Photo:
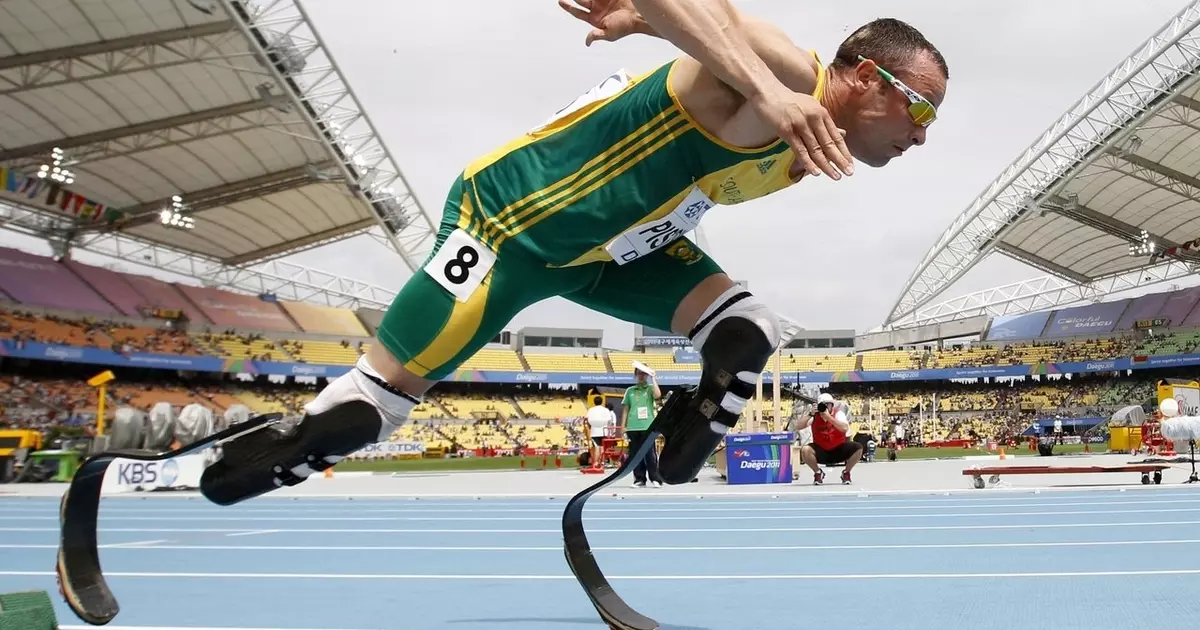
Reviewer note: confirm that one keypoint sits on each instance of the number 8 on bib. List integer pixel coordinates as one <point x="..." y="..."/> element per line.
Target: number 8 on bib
<point x="461" y="265"/>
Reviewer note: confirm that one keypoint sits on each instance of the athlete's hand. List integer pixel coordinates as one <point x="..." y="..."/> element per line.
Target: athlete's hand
<point x="805" y="124"/>
<point x="610" y="19"/>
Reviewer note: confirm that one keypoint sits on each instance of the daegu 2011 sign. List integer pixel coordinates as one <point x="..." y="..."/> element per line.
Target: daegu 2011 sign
<point x="387" y="450"/>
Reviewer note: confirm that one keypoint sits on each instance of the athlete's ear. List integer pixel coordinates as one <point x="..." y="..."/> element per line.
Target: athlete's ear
<point x="865" y="74"/>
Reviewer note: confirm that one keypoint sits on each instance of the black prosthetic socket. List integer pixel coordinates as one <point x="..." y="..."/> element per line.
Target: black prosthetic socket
<point x="262" y="461"/>
<point x="734" y="345"/>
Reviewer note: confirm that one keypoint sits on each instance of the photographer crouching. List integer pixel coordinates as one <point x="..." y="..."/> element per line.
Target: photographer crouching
<point x="831" y="443"/>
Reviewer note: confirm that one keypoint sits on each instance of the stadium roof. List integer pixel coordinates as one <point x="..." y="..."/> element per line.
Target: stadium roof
<point x="232" y="106"/>
<point x="1107" y="186"/>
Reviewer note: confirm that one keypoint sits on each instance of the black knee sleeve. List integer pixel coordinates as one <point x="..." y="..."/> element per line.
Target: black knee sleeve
<point x="734" y="354"/>
<point x="264" y="460"/>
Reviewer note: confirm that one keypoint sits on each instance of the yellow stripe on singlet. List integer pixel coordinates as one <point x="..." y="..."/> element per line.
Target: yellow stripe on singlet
<point x="567" y="189"/>
<point x="647" y="147"/>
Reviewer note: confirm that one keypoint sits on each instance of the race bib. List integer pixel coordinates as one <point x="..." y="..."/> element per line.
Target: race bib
<point x="643" y="413"/>
<point x="609" y="87"/>
<point x="461" y="264"/>
<point x="649" y="237"/>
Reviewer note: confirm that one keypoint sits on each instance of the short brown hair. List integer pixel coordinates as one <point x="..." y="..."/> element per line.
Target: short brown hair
<point x="888" y="42"/>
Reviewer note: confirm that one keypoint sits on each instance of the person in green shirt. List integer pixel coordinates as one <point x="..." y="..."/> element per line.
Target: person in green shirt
<point x="637" y="412"/>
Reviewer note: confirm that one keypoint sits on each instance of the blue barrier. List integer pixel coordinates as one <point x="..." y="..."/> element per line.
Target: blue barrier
<point x="754" y="458"/>
<point x="109" y="358"/>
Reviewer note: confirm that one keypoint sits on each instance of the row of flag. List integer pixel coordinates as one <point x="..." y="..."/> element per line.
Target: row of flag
<point x="57" y="196"/>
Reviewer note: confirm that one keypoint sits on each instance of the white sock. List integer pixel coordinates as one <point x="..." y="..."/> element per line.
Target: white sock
<point x="354" y="385"/>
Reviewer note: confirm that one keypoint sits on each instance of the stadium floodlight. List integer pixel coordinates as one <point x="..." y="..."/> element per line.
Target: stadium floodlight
<point x="1144" y="246"/>
<point x="55" y="170"/>
<point x="174" y="217"/>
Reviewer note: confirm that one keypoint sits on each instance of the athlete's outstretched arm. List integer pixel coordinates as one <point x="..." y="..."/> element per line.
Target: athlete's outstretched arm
<point x="711" y="32"/>
<point x="612" y="20"/>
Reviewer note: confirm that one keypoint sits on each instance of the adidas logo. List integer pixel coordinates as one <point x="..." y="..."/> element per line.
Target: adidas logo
<point x="765" y="166"/>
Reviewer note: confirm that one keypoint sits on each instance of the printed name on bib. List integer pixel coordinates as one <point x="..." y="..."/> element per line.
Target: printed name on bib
<point x="461" y="264"/>
<point x="609" y="87"/>
<point x="649" y="237"/>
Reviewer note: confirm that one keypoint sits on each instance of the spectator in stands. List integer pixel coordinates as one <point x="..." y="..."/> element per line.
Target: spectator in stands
<point x="831" y="443"/>
<point x="637" y="412"/>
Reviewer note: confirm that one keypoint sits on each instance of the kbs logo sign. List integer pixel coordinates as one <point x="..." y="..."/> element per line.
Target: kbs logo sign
<point x="164" y="473"/>
<point x="740" y="453"/>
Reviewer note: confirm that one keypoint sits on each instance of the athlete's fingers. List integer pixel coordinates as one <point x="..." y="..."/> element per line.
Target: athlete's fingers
<point x="816" y="138"/>
<point x="803" y="153"/>
<point x="837" y="145"/>
<point x="596" y="35"/>
<point x="575" y="11"/>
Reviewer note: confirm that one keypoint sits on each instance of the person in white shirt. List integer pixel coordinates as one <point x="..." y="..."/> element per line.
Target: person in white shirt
<point x="599" y="418"/>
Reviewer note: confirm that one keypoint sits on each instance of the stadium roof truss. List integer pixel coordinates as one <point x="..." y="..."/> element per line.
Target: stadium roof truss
<point x="1112" y="182"/>
<point x="233" y="107"/>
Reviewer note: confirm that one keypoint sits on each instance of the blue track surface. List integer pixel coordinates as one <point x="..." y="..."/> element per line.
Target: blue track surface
<point x="1097" y="560"/>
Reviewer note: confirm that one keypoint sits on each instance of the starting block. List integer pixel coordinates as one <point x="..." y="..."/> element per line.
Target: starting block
<point x="995" y="472"/>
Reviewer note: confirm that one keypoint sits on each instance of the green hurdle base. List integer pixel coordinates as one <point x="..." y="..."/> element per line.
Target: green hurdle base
<point x="30" y="610"/>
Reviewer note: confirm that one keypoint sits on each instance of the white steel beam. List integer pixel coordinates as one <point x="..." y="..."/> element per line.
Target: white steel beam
<point x="1137" y="89"/>
<point x="202" y="44"/>
<point x="42" y="149"/>
<point x="1042" y="293"/>
<point x="147" y="141"/>
<point x="291" y="50"/>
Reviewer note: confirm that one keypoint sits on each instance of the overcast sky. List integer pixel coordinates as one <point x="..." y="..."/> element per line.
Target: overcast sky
<point x="444" y="82"/>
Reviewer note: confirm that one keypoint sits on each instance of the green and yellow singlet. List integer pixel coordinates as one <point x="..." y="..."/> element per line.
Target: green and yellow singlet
<point x="620" y="172"/>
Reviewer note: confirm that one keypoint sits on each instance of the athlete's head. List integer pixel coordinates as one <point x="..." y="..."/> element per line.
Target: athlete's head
<point x="885" y="85"/>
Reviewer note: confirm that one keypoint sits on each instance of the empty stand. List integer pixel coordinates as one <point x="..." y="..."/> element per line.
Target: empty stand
<point x="547" y="407"/>
<point x="325" y="320"/>
<point x="323" y="352"/>
<point x="240" y="347"/>
<point x="494" y="359"/>
<point x="565" y="362"/>
<point x="112" y="286"/>
<point x="232" y="310"/>
<point x="160" y="294"/>
<point x="817" y="363"/>
<point x="39" y="281"/>
<point x="891" y="360"/>
<point x="477" y="406"/>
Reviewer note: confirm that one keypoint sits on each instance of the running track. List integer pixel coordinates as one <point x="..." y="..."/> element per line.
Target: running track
<point x="1081" y="559"/>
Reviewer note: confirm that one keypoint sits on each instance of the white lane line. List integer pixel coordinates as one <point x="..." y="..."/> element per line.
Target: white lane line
<point x="642" y="530"/>
<point x="663" y="578"/>
<point x="643" y="548"/>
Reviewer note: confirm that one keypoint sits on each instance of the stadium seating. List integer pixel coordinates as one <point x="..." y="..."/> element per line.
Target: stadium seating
<point x="244" y="347"/>
<point x="110" y="310"/>
<point x="322" y="352"/>
<point x="495" y="359"/>
<point x="1170" y="343"/>
<point x="891" y="360"/>
<point x="565" y="362"/>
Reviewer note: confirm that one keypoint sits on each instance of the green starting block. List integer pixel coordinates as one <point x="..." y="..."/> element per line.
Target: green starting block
<point x="30" y="610"/>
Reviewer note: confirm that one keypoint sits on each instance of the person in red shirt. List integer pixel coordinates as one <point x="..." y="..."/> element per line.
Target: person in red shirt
<point x="830" y="442"/>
